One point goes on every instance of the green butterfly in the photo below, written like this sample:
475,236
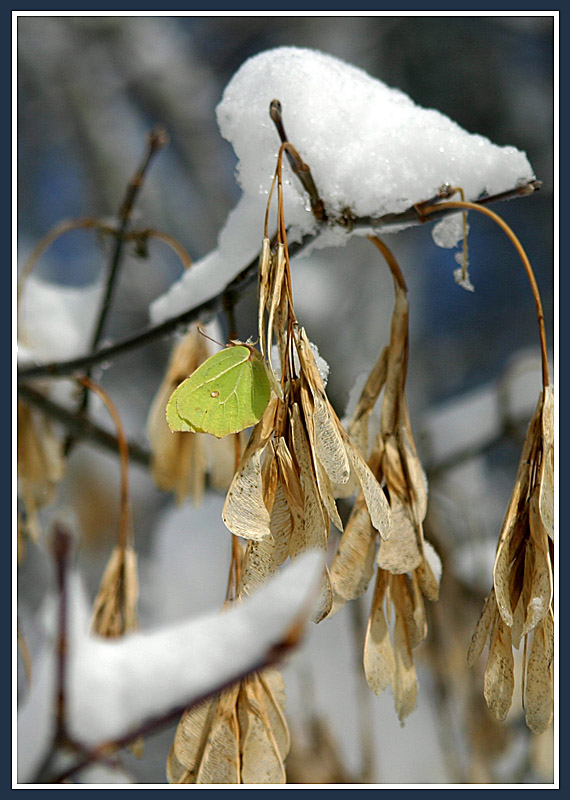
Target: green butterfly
227,393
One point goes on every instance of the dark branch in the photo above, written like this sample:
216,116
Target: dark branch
156,140
80,427
415,214
273,657
243,281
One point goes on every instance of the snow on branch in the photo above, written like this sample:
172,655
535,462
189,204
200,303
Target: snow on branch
371,150
113,686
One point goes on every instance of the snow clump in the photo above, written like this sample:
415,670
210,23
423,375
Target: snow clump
369,147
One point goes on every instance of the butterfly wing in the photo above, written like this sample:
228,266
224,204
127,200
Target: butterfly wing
226,394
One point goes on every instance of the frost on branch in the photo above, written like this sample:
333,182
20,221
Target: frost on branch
370,148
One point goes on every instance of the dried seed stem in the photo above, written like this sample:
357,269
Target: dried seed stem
46,241
400,284
282,233
391,261
466,205
80,427
234,575
125,529
140,237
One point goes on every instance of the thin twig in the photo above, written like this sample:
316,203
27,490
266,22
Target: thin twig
125,529
156,140
417,213
61,551
61,548
81,427
202,312
229,306
90,223
238,285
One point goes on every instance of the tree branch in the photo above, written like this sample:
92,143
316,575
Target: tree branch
243,281
81,427
156,140
274,656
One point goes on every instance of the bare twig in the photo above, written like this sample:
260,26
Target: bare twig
140,237
417,213
81,427
61,551
61,546
156,140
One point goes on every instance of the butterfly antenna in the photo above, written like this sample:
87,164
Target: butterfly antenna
205,335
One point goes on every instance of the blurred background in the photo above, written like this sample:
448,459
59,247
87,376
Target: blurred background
89,90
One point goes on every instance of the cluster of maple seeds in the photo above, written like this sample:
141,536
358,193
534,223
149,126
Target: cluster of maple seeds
407,567
521,600
282,499
298,459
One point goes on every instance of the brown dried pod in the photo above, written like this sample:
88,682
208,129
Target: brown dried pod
41,464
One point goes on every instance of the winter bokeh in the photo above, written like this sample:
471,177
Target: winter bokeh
90,88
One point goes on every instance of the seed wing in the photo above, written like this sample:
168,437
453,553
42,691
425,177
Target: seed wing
260,386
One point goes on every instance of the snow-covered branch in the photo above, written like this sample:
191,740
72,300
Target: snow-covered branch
114,686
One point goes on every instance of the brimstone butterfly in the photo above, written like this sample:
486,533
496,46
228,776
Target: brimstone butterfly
227,393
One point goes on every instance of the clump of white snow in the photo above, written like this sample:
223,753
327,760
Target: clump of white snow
114,685
54,321
370,149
